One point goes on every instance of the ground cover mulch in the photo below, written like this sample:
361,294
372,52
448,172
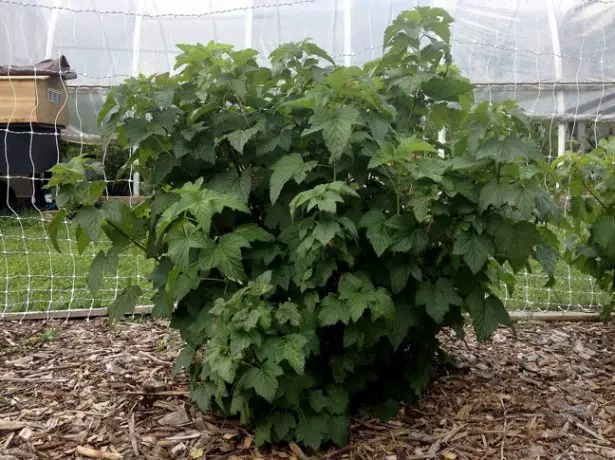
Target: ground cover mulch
85,389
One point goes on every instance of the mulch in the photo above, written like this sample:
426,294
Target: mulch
83,389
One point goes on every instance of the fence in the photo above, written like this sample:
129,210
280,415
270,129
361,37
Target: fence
556,58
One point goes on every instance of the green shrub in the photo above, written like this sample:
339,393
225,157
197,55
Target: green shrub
313,234
587,181
112,157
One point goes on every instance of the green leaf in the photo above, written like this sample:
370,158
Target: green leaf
438,298
310,431
338,430
283,423
318,400
181,240
325,231
336,128
264,380
184,360
487,314
102,263
231,183
90,220
54,227
288,313
125,302
400,274
447,89
333,311
238,139
83,240
338,399
262,433
388,409
474,248
603,231
509,149
404,319
226,256
374,222
202,394
202,204
404,152
286,168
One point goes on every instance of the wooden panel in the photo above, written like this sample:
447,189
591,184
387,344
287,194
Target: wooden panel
29,99
17,101
52,105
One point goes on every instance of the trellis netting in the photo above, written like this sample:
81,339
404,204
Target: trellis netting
555,57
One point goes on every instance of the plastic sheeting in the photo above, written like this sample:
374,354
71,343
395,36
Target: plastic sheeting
556,57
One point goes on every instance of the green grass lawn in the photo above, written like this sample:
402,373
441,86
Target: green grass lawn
34,277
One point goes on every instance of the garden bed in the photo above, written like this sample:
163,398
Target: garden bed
72,389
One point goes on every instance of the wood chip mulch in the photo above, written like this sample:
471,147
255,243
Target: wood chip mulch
87,390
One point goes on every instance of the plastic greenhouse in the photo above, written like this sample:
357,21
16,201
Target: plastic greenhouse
555,57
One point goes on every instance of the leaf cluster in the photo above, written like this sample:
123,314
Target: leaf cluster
586,182
311,234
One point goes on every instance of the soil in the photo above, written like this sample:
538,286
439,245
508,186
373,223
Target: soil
85,389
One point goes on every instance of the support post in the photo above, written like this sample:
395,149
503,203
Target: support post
557,61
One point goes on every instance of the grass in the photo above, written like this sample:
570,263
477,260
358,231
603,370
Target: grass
34,277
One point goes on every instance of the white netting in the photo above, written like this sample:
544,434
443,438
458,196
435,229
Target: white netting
555,57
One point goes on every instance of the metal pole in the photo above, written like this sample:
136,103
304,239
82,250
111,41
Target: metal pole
559,73
347,33
136,49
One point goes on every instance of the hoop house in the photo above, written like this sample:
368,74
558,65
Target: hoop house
555,57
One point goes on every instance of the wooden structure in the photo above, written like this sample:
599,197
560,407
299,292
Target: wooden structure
33,99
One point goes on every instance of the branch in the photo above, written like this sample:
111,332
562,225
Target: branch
593,194
130,238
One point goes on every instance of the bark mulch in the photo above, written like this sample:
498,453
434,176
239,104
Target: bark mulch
87,390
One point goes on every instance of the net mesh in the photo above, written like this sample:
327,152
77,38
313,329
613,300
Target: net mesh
556,58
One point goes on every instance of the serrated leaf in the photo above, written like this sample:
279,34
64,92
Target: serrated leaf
487,314
325,231
54,227
336,128
202,204
90,220
338,399
310,431
226,256
184,359
125,302
181,240
238,139
83,240
374,222
547,257
202,395
262,433
437,298
603,231
333,311
264,380
474,248
283,423
102,263
288,313
400,274
231,183
318,401
286,168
